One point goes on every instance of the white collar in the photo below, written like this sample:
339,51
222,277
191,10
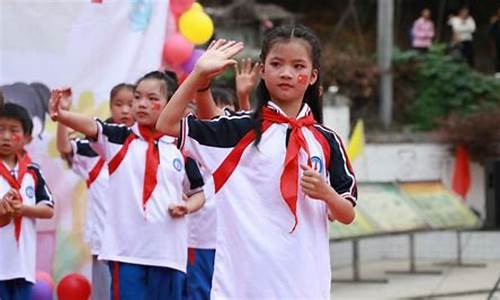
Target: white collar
304,111
165,138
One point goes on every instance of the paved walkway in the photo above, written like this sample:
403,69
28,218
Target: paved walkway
455,283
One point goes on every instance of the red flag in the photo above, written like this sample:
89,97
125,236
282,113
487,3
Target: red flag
461,171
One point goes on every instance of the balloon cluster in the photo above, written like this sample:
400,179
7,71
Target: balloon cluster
72,287
194,27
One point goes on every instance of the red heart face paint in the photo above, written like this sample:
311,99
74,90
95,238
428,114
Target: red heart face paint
16,138
155,106
302,79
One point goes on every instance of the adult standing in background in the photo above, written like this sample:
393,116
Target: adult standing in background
463,26
495,40
422,31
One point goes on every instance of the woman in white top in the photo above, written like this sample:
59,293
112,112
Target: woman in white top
463,26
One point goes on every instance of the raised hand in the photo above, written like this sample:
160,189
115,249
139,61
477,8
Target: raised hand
60,99
246,79
217,58
66,98
246,76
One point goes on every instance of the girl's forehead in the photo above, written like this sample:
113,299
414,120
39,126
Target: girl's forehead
149,85
124,93
294,48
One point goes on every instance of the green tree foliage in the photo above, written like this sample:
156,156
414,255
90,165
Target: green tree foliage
443,85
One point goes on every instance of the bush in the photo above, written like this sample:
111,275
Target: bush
442,85
480,132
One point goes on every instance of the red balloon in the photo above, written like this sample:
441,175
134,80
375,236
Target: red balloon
177,50
74,287
180,6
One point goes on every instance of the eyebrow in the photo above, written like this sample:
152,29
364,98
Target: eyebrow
298,60
148,94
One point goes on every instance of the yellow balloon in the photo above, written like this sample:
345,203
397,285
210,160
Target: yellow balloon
196,6
196,26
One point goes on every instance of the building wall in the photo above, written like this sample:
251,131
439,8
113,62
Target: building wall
393,162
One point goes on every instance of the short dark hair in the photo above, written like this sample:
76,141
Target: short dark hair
2,99
224,96
19,113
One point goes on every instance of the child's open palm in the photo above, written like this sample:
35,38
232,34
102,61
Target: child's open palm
217,58
246,76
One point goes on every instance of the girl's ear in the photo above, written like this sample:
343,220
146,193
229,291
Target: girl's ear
314,77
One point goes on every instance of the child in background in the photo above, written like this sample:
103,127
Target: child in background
221,100
225,98
202,224
272,206
145,239
25,197
85,162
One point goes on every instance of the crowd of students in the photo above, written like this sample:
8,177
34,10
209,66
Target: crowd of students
193,194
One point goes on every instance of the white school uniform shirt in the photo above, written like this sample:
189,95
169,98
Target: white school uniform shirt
463,29
83,160
145,236
257,255
203,223
19,261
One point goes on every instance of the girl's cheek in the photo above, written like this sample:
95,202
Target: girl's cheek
155,106
302,79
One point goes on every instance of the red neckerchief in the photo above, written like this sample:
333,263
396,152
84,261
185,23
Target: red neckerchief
23,162
94,173
152,160
289,178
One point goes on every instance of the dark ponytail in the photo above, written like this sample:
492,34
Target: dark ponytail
283,34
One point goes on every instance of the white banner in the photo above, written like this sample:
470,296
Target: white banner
91,46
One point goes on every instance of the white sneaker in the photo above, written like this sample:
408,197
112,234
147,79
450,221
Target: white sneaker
497,75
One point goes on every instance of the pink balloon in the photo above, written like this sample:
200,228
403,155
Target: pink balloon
44,277
180,6
188,66
177,50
